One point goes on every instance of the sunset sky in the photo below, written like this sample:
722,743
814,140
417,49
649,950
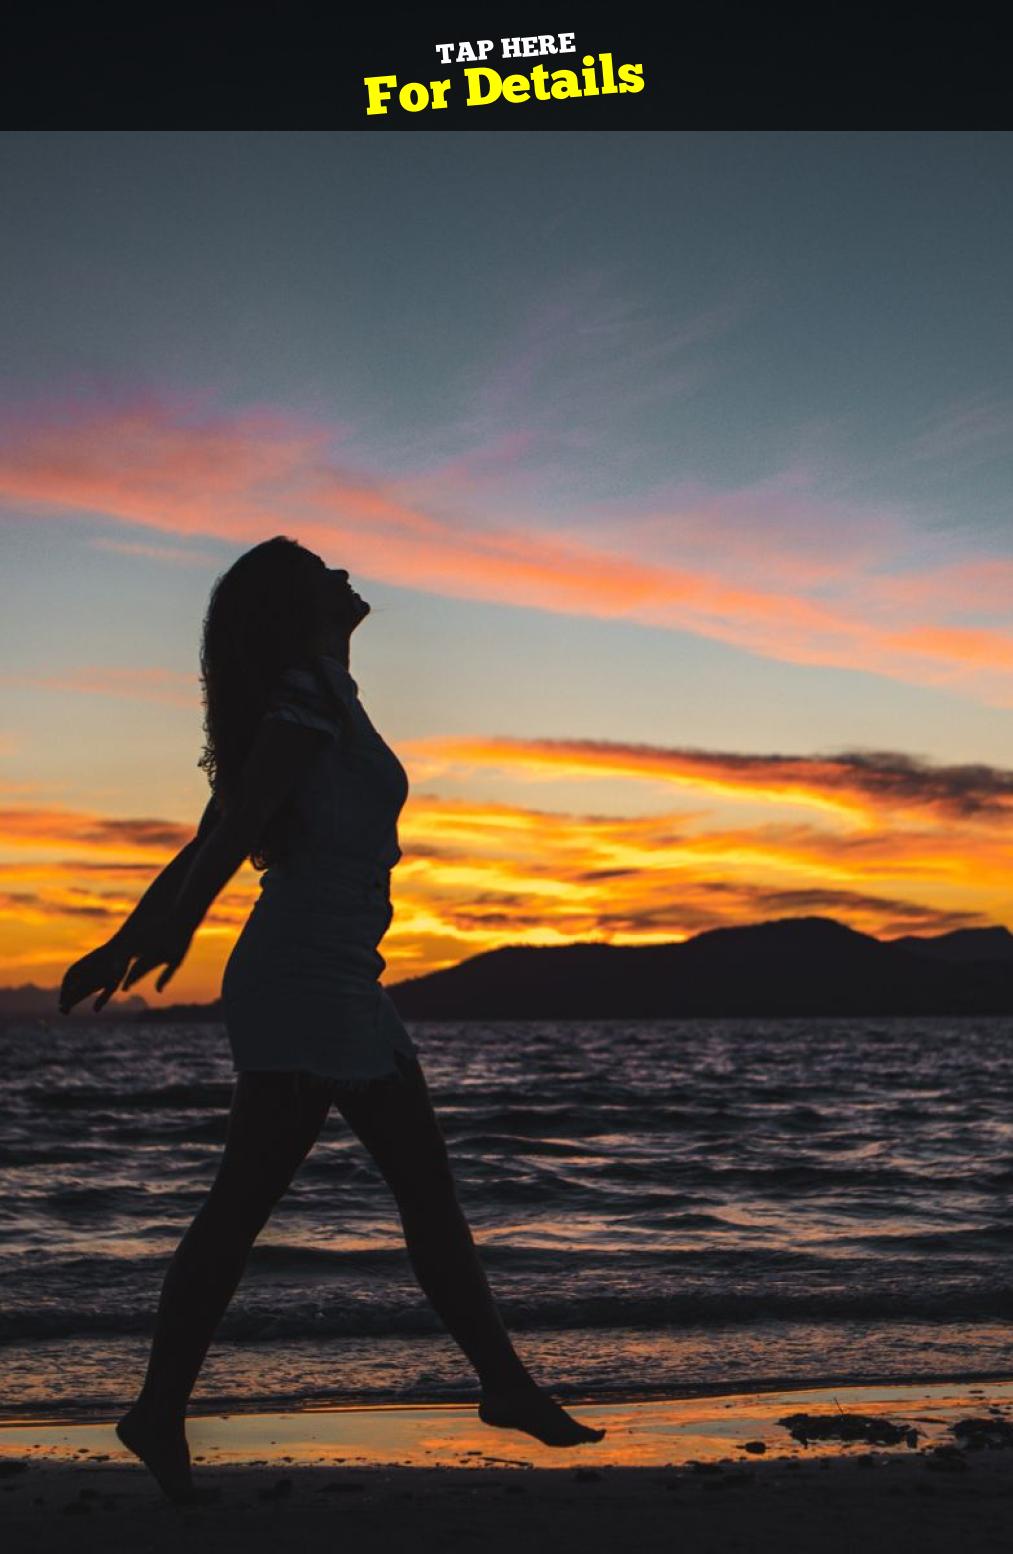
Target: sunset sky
676,468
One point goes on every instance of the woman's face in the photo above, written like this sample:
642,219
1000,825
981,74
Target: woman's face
341,608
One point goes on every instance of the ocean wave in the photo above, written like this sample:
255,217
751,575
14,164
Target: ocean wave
616,1175
372,1316
129,1097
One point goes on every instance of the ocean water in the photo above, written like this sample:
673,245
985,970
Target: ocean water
661,1208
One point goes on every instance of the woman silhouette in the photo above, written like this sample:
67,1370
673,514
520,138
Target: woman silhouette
302,783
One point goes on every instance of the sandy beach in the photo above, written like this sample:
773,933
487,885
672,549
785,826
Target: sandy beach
705,1473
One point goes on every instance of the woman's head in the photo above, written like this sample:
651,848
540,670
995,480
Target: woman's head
276,606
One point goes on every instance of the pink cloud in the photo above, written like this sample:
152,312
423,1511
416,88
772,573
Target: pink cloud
179,555
587,351
169,686
983,586
245,476
985,426
783,529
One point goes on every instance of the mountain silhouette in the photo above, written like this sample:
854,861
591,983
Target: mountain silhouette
965,946
792,966
28,999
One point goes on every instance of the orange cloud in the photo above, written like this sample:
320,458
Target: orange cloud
952,645
55,827
244,477
168,686
902,847
863,786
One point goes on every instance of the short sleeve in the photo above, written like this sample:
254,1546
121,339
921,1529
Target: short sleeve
318,696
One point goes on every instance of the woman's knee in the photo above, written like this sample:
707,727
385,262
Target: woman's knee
274,1122
413,1159
394,1119
422,1175
238,1205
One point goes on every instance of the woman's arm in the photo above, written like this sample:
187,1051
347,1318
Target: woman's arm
162,892
103,969
281,754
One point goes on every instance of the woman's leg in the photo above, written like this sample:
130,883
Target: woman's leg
395,1121
273,1124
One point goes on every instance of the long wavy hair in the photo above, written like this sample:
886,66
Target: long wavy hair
261,618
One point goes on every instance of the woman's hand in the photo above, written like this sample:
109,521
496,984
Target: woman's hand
100,972
162,942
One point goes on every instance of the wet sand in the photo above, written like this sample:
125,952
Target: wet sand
707,1474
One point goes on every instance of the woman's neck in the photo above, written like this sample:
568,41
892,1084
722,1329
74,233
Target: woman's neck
334,644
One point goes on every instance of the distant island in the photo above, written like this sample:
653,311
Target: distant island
28,1001
792,966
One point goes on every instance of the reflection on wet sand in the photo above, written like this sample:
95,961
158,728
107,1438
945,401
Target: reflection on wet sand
640,1434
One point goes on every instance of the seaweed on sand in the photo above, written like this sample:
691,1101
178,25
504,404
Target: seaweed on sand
848,1427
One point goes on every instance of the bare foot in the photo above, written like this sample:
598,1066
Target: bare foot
163,1450
530,1409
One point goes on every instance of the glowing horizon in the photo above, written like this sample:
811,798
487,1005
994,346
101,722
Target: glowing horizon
685,537
477,874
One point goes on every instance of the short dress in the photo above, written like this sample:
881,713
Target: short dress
300,990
